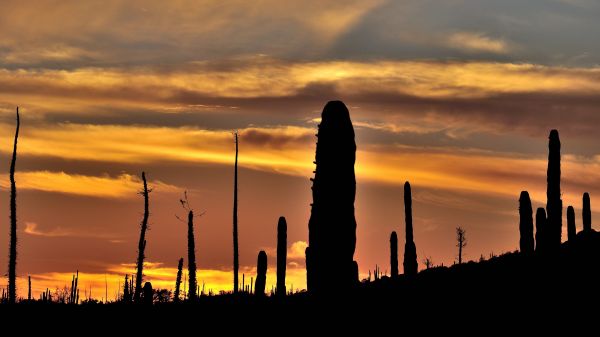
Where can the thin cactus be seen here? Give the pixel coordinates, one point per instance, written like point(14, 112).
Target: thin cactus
point(236, 265)
point(394, 254)
point(586, 213)
point(526, 241)
point(178, 280)
point(191, 258)
point(142, 242)
point(571, 227)
point(261, 273)
point(554, 202)
point(12, 260)
point(410, 250)
point(281, 255)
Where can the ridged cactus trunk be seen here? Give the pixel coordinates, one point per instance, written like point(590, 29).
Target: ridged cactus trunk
point(178, 280)
point(193, 285)
point(571, 228)
point(394, 254)
point(12, 255)
point(410, 250)
point(540, 231)
point(554, 202)
point(586, 213)
point(147, 296)
point(142, 243)
point(332, 225)
point(236, 265)
point(261, 274)
point(281, 255)
point(526, 241)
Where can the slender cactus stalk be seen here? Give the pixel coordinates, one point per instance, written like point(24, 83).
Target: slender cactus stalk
point(142, 243)
point(12, 260)
point(191, 258)
point(235, 220)
point(178, 280)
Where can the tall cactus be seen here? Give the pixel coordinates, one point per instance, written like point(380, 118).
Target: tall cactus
point(526, 223)
point(281, 255)
point(12, 255)
point(554, 202)
point(29, 288)
point(178, 280)
point(571, 229)
point(126, 290)
point(586, 213)
point(541, 231)
point(191, 258)
point(410, 250)
point(261, 274)
point(394, 254)
point(236, 265)
point(332, 225)
point(147, 297)
point(142, 243)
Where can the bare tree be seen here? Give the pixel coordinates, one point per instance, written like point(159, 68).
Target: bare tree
point(428, 262)
point(461, 241)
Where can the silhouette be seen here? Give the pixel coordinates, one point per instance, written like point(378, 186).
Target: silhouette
point(29, 287)
point(554, 203)
point(281, 255)
point(540, 231)
point(571, 229)
point(191, 258)
point(148, 294)
point(261, 274)
point(142, 242)
point(332, 226)
point(394, 254)
point(461, 242)
point(74, 293)
point(126, 290)
point(178, 280)
point(410, 250)
point(526, 224)
point(236, 265)
point(586, 215)
point(12, 259)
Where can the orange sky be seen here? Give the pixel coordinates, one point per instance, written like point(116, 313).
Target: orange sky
point(458, 102)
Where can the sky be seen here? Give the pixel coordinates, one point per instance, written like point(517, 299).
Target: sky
point(455, 96)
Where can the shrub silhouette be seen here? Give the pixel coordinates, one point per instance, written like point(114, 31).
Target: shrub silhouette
point(12, 256)
point(142, 243)
point(586, 215)
point(554, 203)
point(178, 280)
point(410, 250)
point(571, 229)
point(236, 264)
point(126, 290)
point(526, 242)
point(461, 241)
point(332, 225)
point(193, 285)
point(394, 254)
point(261, 274)
point(281, 255)
point(540, 231)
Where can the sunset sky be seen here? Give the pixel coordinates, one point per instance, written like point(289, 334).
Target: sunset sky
point(455, 96)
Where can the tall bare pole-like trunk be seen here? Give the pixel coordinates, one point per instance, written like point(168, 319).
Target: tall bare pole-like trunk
point(141, 244)
point(235, 221)
point(12, 260)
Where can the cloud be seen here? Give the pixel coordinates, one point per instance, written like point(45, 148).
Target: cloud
point(477, 42)
point(122, 186)
point(31, 228)
point(297, 251)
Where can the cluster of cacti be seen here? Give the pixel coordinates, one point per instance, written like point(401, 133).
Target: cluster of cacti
point(46, 296)
point(410, 250)
point(12, 256)
point(554, 201)
point(526, 242)
point(571, 228)
point(281, 255)
point(394, 254)
point(74, 293)
point(236, 265)
point(178, 280)
point(142, 243)
point(128, 289)
point(191, 258)
point(332, 225)
point(261, 273)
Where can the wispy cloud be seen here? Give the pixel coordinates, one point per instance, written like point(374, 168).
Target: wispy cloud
point(478, 42)
point(122, 186)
